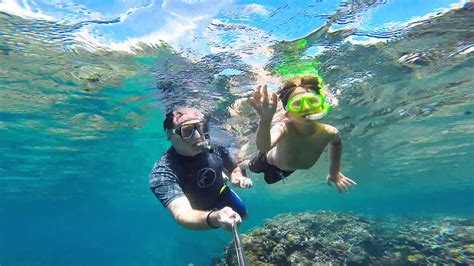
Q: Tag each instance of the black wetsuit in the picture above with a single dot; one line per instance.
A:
(199, 178)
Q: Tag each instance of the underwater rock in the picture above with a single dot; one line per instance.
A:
(350, 239)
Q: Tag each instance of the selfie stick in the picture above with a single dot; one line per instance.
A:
(238, 248)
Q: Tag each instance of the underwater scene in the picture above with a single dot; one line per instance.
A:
(85, 86)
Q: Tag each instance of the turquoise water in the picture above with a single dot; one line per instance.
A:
(80, 121)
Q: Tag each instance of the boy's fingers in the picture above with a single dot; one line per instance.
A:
(256, 106)
(252, 103)
(342, 187)
(349, 182)
(274, 98)
(257, 96)
(256, 93)
(265, 94)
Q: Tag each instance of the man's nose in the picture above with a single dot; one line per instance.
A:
(197, 134)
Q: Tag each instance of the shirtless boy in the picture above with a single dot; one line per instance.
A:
(299, 139)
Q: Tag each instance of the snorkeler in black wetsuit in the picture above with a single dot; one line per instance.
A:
(188, 178)
(199, 178)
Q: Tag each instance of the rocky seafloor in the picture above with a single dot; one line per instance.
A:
(314, 238)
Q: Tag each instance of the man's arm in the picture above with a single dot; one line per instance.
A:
(164, 184)
(186, 216)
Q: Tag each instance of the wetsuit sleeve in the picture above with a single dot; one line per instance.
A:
(227, 161)
(164, 183)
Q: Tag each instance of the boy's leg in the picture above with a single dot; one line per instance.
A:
(272, 177)
(260, 164)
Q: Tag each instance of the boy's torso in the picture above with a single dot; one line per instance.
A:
(300, 150)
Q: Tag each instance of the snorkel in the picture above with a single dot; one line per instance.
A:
(204, 145)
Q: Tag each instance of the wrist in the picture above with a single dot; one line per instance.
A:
(266, 119)
(333, 171)
(210, 219)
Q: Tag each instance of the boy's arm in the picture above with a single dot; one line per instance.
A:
(265, 105)
(266, 137)
(335, 151)
(335, 176)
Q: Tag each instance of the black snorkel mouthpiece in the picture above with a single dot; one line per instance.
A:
(204, 146)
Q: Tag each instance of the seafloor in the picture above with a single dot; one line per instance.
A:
(322, 237)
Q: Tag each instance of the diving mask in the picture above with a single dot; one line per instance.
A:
(313, 104)
(187, 131)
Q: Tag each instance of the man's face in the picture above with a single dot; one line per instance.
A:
(189, 132)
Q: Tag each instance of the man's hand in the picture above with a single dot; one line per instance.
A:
(224, 218)
(238, 179)
(342, 182)
(265, 105)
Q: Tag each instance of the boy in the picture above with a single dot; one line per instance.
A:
(298, 140)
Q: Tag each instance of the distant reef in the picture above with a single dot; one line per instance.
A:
(328, 238)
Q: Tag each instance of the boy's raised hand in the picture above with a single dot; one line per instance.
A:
(265, 105)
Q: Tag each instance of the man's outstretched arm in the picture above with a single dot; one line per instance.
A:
(186, 216)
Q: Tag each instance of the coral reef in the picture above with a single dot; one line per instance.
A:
(346, 238)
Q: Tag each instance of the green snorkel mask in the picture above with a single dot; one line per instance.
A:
(313, 104)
